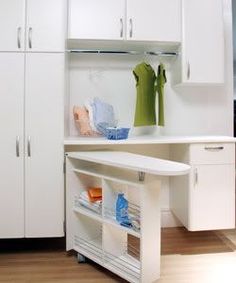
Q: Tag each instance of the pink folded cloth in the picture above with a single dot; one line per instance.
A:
(81, 118)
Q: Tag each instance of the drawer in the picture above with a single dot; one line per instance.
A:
(212, 153)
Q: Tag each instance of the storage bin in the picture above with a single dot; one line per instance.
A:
(117, 133)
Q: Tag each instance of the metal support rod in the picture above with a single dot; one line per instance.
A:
(121, 52)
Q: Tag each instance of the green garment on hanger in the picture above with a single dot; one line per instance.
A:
(145, 113)
(160, 82)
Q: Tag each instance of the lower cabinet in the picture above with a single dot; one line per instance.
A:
(205, 199)
(92, 230)
(31, 175)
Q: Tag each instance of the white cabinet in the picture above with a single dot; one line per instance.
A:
(32, 25)
(154, 20)
(12, 144)
(202, 42)
(205, 200)
(44, 196)
(31, 182)
(150, 20)
(12, 25)
(92, 19)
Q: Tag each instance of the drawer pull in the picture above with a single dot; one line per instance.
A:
(214, 148)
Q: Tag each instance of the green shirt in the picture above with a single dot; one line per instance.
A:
(145, 114)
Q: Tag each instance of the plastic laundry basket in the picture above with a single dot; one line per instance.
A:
(117, 133)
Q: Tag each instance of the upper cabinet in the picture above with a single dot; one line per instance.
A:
(92, 19)
(12, 17)
(32, 25)
(154, 20)
(202, 42)
(46, 21)
(149, 20)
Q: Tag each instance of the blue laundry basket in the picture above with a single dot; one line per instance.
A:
(117, 133)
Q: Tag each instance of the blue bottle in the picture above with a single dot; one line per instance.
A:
(121, 209)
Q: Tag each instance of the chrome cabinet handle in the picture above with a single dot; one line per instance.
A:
(30, 37)
(18, 146)
(195, 177)
(188, 71)
(121, 27)
(29, 147)
(130, 28)
(214, 148)
(19, 37)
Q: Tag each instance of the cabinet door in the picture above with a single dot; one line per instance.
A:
(203, 42)
(92, 19)
(45, 30)
(12, 13)
(11, 150)
(212, 197)
(154, 20)
(44, 205)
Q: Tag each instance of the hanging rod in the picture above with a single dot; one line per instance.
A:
(85, 51)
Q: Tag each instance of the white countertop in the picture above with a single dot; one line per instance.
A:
(149, 139)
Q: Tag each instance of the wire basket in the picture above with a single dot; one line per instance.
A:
(113, 133)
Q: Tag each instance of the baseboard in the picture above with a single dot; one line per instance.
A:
(168, 219)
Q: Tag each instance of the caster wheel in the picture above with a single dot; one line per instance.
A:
(81, 258)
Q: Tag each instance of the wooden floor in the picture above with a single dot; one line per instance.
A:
(187, 257)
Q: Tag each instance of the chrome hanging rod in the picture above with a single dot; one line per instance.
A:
(161, 53)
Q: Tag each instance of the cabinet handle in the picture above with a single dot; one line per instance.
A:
(18, 146)
(19, 37)
(214, 148)
(30, 37)
(188, 71)
(130, 28)
(195, 177)
(29, 146)
(121, 27)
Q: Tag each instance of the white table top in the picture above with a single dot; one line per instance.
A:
(131, 161)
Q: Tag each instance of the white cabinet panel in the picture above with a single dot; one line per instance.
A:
(154, 20)
(45, 25)
(44, 145)
(203, 42)
(212, 200)
(12, 13)
(150, 20)
(32, 25)
(92, 19)
(11, 125)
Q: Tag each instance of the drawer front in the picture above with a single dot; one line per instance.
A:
(212, 153)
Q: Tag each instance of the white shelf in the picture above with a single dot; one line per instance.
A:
(89, 213)
(148, 139)
(99, 218)
(111, 175)
(120, 227)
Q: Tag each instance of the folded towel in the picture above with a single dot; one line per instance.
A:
(103, 115)
(81, 118)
